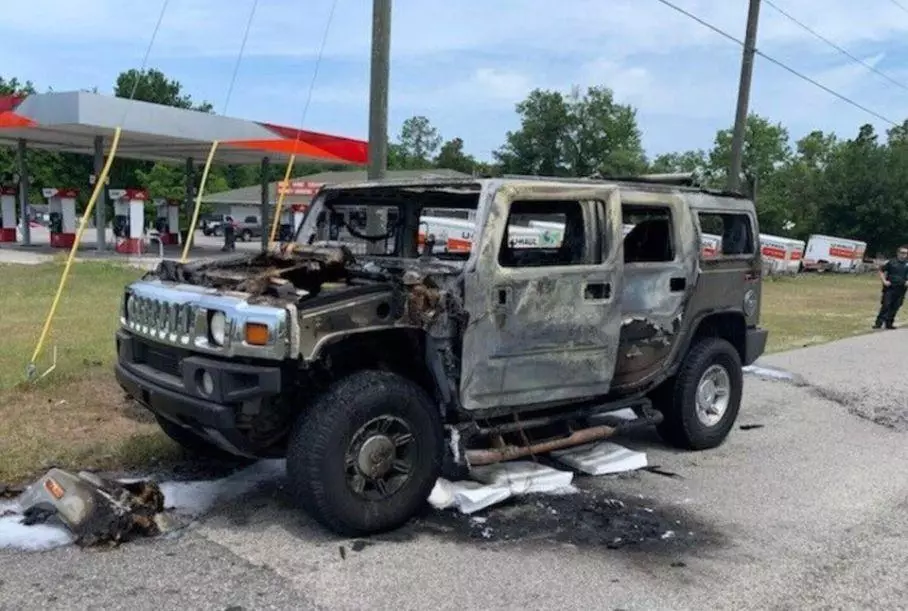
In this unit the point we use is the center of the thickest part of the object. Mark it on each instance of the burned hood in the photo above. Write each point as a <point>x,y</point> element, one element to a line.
<point>285,266</point>
<point>294,271</point>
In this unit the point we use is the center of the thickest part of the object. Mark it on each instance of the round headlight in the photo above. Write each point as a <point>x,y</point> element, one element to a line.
<point>217,328</point>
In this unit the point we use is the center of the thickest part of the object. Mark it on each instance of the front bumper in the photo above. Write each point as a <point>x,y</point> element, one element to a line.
<point>168,383</point>
<point>754,344</point>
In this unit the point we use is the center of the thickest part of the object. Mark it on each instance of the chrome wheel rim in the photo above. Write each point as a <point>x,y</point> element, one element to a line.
<point>713,395</point>
<point>380,458</point>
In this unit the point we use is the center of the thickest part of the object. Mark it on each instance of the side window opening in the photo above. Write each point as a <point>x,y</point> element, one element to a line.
<point>648,237</point>
<point>545,233</point>
<point>725,234</point>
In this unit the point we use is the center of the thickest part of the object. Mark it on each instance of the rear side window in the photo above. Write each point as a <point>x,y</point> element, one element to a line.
<point>648,234</point>
<point>545,233</point>
<point>725,234</point>
<point>251,219</point>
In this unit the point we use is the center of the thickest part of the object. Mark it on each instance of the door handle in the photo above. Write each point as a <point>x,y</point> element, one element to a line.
<point>597,290</point>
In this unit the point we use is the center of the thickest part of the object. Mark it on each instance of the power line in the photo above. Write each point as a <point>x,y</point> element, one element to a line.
<point>239,57</point>
<point>780,64</point>
<point>835,46</point>
<point>900,5</point>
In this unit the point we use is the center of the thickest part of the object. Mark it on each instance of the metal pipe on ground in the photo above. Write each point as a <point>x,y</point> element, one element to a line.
<point>490,456</point>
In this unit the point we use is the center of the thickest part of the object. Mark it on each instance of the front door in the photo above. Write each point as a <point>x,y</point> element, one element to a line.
<point>544,307</point>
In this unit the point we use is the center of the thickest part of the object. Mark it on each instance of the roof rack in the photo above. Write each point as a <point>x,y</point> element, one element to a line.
<point>681,179</point>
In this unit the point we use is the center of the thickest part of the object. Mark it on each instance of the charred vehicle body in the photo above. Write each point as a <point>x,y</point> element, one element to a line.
<point>376,361</point>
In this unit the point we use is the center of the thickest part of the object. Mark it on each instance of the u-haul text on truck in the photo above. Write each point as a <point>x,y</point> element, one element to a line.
<point>783,253</point>
<point>456,235</point>
<point>832,253</point>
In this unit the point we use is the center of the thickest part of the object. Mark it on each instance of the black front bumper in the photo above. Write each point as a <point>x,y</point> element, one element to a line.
<point>167,381</point>
<point>754,344</point>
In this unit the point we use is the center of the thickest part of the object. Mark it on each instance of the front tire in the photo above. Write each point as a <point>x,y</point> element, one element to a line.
<point>364,456</point>
<point>701,405</point>
<point>246,236</point>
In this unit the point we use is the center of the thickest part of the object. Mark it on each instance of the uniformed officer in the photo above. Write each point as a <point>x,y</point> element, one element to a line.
<point>894,275</point>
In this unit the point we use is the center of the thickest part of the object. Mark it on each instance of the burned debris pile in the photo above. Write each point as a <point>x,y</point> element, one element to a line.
<point>96,510</point>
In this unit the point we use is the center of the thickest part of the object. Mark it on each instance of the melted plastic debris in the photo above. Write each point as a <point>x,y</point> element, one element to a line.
<point>185,501</point>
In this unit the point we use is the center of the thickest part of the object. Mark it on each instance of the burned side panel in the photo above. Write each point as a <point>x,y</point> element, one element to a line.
<point>542,334</point>
<point>656,294</point>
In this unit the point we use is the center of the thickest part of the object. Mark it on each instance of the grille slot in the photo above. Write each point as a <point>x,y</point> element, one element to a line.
<point>160,358</point>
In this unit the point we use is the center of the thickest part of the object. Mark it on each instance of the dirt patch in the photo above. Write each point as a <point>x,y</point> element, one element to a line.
<point>82,422</point>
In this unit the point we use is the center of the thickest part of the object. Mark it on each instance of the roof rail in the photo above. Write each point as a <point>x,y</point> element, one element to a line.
<point>682,179</point>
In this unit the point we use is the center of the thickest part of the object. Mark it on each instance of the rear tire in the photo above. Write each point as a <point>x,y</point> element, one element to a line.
<point>364,456</point>
<point>246,236</point>
<point>701,405</point>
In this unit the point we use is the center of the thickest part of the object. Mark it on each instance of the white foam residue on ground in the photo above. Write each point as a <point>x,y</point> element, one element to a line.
<point>39,537</point>
<point>768,372</point>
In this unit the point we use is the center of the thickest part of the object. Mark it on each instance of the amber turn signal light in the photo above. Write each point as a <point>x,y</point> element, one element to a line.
<point>55,489</point>
<point>256,334</point>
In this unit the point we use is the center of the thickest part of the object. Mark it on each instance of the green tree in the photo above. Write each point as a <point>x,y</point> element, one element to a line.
<point>687,161</point>
<point>602,136</point>
<point>154,86</point>
<point>417,143</point>
<point>537,147</point>
<point>574,135</point>
<point>452,157</point>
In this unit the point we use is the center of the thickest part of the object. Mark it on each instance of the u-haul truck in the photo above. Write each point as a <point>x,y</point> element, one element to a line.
<point>830,253</point>
<point>456,235</point>
<point>776,251</point>
<point>710,245</point>
<point>795,255</point>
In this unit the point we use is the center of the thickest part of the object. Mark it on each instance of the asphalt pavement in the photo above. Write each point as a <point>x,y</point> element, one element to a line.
<point>804,508</point>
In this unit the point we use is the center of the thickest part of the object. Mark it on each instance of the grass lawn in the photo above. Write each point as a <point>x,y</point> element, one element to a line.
<point>78,418</point>
<point>813,309</point>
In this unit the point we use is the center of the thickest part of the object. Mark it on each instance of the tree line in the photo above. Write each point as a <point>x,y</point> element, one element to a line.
<point>854,187</point>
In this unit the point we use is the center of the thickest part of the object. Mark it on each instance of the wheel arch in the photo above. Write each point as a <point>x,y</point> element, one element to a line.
<point>408,352</point>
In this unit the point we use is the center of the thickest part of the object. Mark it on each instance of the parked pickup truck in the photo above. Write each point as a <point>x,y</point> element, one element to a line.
<point>374,373</point>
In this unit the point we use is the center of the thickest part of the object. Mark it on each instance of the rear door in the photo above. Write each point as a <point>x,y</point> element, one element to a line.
<point>544,320</point>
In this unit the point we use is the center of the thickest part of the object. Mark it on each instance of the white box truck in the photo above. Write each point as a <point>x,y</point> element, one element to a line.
<point>831,253</point>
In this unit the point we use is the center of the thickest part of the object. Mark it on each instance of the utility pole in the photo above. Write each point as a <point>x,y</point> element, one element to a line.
<point>378,111</point>
<point>747,68</point>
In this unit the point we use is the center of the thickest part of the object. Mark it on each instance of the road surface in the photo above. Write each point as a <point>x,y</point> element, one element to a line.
<point>806,511</point>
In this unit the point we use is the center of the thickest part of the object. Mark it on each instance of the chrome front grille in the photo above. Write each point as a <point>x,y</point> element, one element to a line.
<point>178,315</point>
<point>165,320</point>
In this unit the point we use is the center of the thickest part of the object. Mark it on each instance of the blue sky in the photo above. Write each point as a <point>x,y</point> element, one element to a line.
<point>465,63</point>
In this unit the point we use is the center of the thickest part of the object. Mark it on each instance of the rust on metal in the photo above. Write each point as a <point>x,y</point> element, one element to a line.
<point>510,452</point>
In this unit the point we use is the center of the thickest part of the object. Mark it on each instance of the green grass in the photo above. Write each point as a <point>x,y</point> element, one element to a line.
<point>817,308</point>
<point>77,417</point>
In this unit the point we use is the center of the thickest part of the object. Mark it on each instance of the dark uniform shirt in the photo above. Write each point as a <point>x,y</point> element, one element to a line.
<point>896,272</point>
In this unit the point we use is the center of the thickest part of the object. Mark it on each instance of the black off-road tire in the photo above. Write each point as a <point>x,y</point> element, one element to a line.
<point>316,470</point>
<point>677,399</point>
<point>195,445</point>
<point>246,236</point>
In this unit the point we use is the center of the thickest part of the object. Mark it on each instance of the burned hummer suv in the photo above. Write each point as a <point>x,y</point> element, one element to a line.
<point>449,323</point>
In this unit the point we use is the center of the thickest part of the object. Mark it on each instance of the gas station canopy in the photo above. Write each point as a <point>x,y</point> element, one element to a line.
<point>70,122</point>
